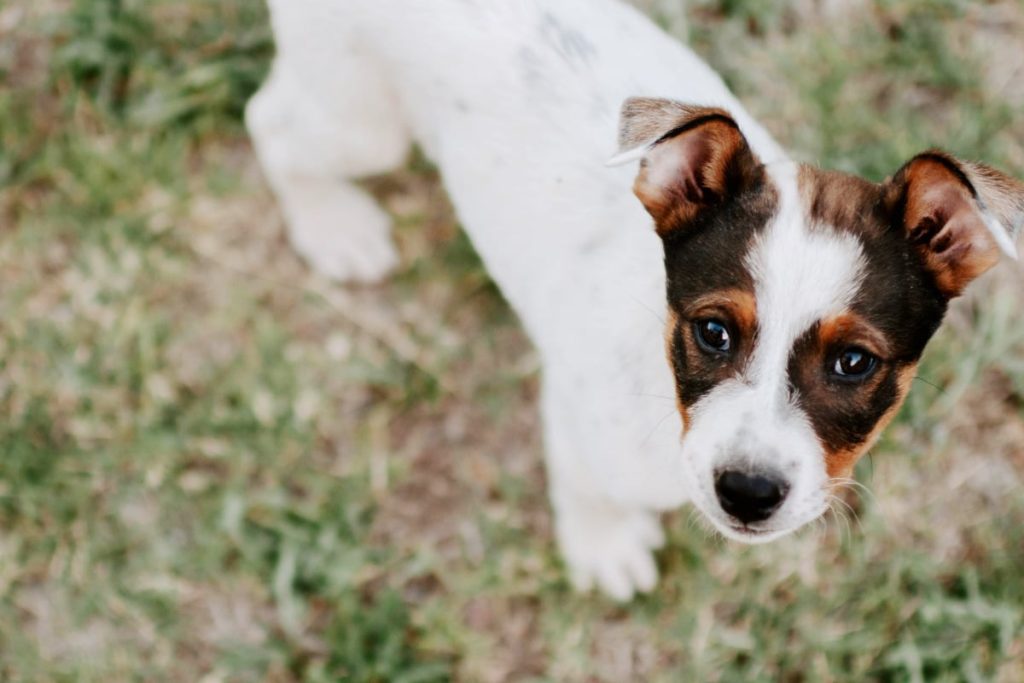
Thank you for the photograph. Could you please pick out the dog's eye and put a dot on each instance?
(854, 364)
(713, 336)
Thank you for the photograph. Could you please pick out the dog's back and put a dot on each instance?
(510, 98)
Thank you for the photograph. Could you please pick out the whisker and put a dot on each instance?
(696, 520)
(839, 513)
(933, 385)
(651, 433)
(649, 310)
(857, 487)
(834, 512)
(846, 511)
(667, 398)
(820, 526)
(690, 521)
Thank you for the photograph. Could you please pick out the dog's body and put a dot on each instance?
(518, 102)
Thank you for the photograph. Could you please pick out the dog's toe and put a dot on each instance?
(615, 554)
(644, 572)
(346, 239)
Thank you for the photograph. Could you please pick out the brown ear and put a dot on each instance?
(957, 214)
(691, 158)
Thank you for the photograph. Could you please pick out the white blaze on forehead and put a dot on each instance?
(802, 274)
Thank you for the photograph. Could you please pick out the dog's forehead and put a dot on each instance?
(798, 234)
(845, 202)
(804, 270)
(895, 294)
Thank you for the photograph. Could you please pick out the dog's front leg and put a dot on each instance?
(604, 542)
(313, 143)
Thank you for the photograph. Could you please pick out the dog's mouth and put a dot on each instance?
(757, 534)
(745, 533)
(746, 530)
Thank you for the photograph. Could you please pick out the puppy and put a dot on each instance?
(793, 303)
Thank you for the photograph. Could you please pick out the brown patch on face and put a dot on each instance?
(847, 413)
(897, 308)
(838, 199)
(735, 306)
(671, 323)
(696, 369)
(923, 237)
(840, 463)
(851, 329)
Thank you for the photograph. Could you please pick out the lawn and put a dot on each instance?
(215, 466)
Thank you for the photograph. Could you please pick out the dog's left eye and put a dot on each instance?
(713, 336)
(854, 364)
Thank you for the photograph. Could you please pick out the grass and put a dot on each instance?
(217, 467)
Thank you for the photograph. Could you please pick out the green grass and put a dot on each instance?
(217, 467)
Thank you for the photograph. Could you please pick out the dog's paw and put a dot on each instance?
(346, 241)
(613, 550)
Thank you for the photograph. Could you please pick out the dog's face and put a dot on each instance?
(799, 303)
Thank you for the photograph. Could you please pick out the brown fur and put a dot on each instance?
(942, 217)
(697, 158)
(839, 463)
(700, 158)
(670, 325)
(736, 306)
(852, 329)
(837, 199)
(696, 368)
(644, 120)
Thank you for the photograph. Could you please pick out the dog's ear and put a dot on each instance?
(690, 158)
(958, 215)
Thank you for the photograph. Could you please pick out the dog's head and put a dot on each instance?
(799, 302)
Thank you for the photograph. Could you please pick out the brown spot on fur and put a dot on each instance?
(736, 306)
(697, 371)
(845, 413)
(852, 329)
(839, 463)
(670, 326)
(837, 199)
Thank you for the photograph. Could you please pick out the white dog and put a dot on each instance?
(798, 301)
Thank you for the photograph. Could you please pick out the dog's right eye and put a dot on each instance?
(713, 336)
(854, 365)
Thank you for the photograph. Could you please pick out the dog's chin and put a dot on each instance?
(752, 535)
(758, 534)
(749, 535)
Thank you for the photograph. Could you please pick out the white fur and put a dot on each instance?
(1002, 235)
(517, 102)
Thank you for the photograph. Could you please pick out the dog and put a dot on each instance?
(793, 302)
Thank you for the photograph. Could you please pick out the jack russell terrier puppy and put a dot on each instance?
(792, 303)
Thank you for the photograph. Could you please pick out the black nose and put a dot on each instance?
(749, 497)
